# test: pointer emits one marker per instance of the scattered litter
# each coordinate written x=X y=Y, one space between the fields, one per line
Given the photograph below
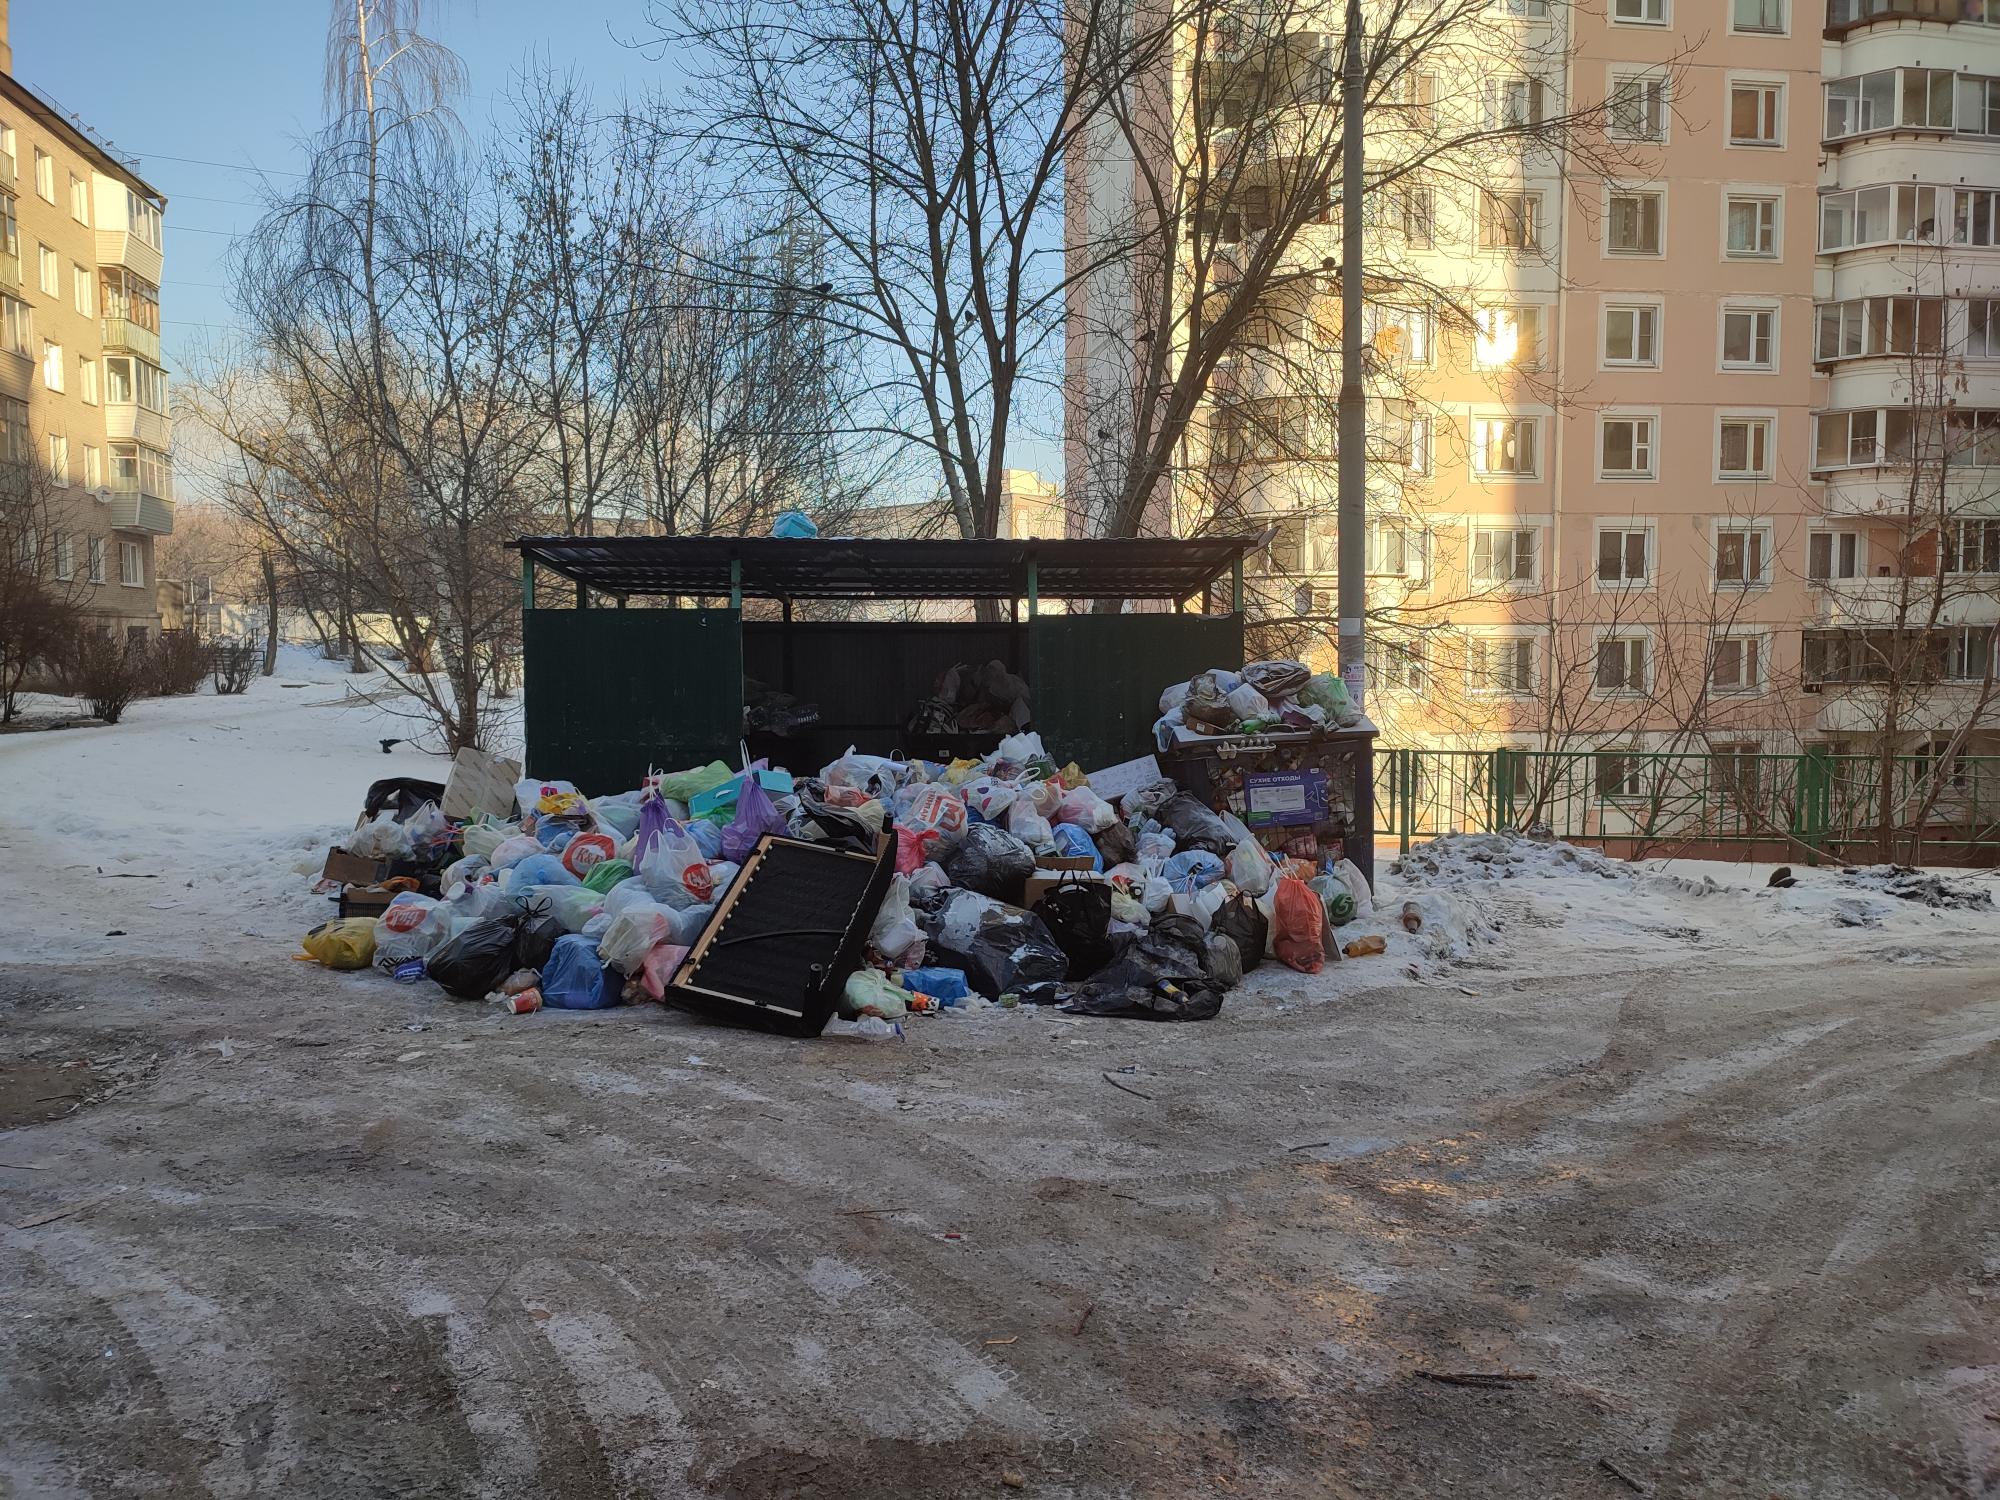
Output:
x=1136 y=1093
x=1488 y=1378
x=1932 y=890
x=696 y=1060
x=226 y=1047
x=1622 y=1477
x=1001 y=1343
x=409 y=1057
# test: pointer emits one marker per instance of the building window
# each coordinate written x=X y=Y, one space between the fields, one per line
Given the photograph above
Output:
x=1639 y=12
x=1500 y=665
x=1396 y=666
x=10 y=239
x=1752 y=227
x=1631 y=335
x=1418 y=453
x=1976 y=217
x=17 y=325
x=1832 y=555
x=1733 y=664
x=86 y=379
x=1632 y=222
x=45 y=175
x=79 y=199
x=1972 y=547
x=1507 y=446
x=1417 y=211
x=1966 y=653
x=149 y=471
x=1756 y=114
x=1625 y=447
x=1864 y=326
x=1525 y=10
x=83 y=289
x=1749 y=338
x=52 y=364
x=1899 y=213
x=143 y=219
x=59 y=457
x=1636 y=107
x=1617 y=773
x=128 y=380
x=93 y=466
x=1845 y=439
x=14 y=444
x=65 y=556
x=132 y=565
x=1621 y=664
x=1400 y=333
x=95 y=557
x=1514 y=103
x=1892 y=98
x=1395 y=550
x=1503 y=555
x=1982 y=328
x=48 y=268
x=1741 y=556
x=1623 y=555
x=1509 y=336
x=1744 y=448
x=1510 y=221
x=1765 y=16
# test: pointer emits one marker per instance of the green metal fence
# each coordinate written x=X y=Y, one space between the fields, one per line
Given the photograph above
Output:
x=1806 y=804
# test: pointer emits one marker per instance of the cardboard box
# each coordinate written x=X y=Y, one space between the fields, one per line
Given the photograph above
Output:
x=1051 y=872
x=352 y=869
x=365 y=901
x=479 y=783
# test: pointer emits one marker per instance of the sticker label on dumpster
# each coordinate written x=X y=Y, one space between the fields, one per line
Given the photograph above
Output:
x=1284 y=798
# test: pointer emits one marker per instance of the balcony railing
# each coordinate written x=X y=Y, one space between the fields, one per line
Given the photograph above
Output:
x=124 y=333
x=132 y=509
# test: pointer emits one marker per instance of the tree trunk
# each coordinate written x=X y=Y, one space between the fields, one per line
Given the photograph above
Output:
x=270 y=615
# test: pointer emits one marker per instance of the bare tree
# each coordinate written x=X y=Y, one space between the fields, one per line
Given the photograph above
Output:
x=44 y=584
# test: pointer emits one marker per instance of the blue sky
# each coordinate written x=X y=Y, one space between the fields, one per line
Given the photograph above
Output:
x=237 y=82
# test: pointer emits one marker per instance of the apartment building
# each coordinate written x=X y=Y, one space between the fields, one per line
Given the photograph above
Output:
x=1645 y=411
x=83 y=390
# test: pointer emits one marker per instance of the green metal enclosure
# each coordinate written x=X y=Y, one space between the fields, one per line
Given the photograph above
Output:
x=613 y=691
x=1097 y=679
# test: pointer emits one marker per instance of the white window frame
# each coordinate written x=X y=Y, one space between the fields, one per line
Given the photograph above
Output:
x=79 y=199
x=1662 y=105
x=1783 y=28
x=65 y=556
x=94 y=551
x=1414 y=545
x=1412 y=661
x=127 y=553
x=1482 y=422
x=59 y=457
x=1534 y=205
x=83 y=290
x=1514 y=530
x=1623 y=190
x=93 y=466
x=48 y=271
x=1769 y=470
x=1833 y=536
x=1488 y=322
x=1760 y=668
x=1730 y=525
x=54 y=375
x=1756 y=307
x=45 y=176
x=1611 y=305
x=1480 y=642
x=1624 y=528
x=1648 y=448
x=1664 y=16
x=1496 y=110
x=86 y=379
x=1774 y=197
x=1626 y=636
x=1775 y=85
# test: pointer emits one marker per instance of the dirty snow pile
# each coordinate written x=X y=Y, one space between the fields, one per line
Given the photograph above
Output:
x=1455 y=858
x=1932 y=890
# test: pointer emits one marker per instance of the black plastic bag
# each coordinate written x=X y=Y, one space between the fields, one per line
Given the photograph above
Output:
x=1161 y=974
x=536 y=938
x=991 y=861
x=1277 y=679
x=472 y=963
x=401 y=795
x=1013 y=954
x=1241 y=921
x=1196 y=826
x=1078 y=916
x=817 y=823
x=1225 y=961
x=1117 y=845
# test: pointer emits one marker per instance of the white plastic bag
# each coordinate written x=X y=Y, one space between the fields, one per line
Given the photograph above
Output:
x=481 y=839
x=1020 y=749
x=384 y=838
x=1158 y=891
x=990 y=797
x=1046 y=796
x=1029 y=826
x=633 y=933
x=1357 y=887
x=961 y=917
x=1174 y=697
x=411 y=927
x=1247 y=703
x=675 y=872
x=895 y=931
x=512 y=851
x=1249 y=868
x=570 y=905
x=876 y=775
x=933 y=809
x=929 y=876
x=1084 y=807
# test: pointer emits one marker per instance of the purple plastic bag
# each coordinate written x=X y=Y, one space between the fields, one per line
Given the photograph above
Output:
x=654 y=820
x=756 y=815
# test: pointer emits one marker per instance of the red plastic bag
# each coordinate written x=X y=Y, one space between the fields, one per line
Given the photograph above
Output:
x=913 y=850
x=1298 y=927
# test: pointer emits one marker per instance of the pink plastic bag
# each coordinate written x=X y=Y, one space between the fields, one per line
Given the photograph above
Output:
x=658 y=967
x=913 y=849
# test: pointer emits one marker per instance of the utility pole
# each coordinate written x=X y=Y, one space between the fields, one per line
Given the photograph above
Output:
x=1353 y=434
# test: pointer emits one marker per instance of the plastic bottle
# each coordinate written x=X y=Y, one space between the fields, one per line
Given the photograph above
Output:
x=868 y=1028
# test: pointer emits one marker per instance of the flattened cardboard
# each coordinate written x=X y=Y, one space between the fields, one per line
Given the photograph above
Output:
x=479 y=783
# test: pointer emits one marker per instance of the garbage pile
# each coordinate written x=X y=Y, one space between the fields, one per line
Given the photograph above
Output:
x=974 y=700
x=1266 y=696
x=1016 y=883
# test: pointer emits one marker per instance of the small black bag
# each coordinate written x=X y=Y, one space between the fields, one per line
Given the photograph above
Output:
x=1078 y=916
x=472 y=964
x=536 y=939
x=1161 y=974
x=1241 y=921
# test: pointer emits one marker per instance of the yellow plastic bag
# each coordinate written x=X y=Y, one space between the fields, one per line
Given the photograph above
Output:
x=960 y=771
x=347 y=943
x=1072 y=777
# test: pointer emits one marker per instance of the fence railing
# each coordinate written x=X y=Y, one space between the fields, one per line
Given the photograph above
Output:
x=1810 y=802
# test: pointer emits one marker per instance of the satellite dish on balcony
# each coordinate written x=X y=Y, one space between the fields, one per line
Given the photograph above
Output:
x=104 y=494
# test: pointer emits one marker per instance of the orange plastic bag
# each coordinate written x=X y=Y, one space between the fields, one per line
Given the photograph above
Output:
x=1298 y=927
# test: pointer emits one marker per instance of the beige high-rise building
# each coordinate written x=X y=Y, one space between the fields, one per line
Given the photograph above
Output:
x=83 y=391
x=1647 y=462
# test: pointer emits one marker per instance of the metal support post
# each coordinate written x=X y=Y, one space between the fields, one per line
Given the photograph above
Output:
x=1353 y=436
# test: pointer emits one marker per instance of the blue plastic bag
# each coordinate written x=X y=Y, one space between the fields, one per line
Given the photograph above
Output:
x=1072 y=842
x=707 y=837
x=756 y=815
x=539 y=869
x=946 y=986
x=1191 y=869
x=795 y=524
x=555 y=837
x=574 y=978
